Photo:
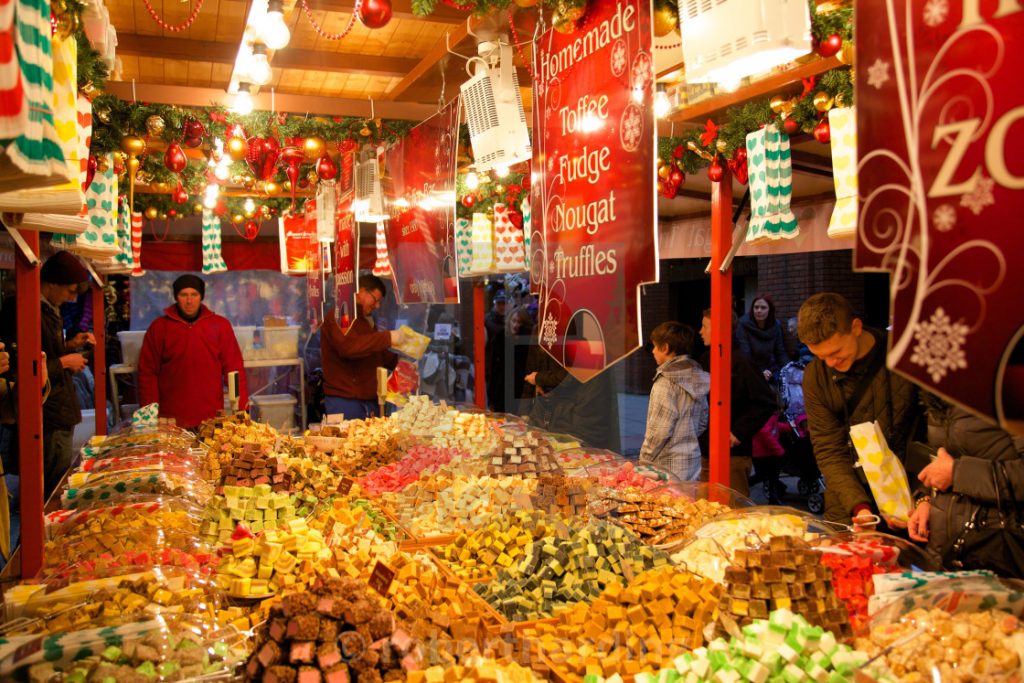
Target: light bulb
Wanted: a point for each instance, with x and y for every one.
(210, 202)
(472, 180)
(501, 170)
(273, 31)
(221, 172)
(662, 105)
(249, 205)
(243, 100)
(259, 66)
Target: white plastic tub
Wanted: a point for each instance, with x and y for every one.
(276, 410)
(277, 343)
(131, 346)
(246, 340)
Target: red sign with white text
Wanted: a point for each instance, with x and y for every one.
(940, 118)
(298, 244)
(594, 225)
(421, 232)
(346, 265)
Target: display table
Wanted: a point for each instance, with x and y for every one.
(126, 369)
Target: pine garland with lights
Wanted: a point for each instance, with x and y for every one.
(509, 190)
(92, 70)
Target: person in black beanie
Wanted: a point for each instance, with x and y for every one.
(186, 357)
(60, 277)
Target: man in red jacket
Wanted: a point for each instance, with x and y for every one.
(350, 357)
(186, 356)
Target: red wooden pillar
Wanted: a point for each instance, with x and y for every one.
(30, 407)
(479, 342)
(99, 357)
(721, 330)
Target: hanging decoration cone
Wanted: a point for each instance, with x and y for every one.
(770, 171)
(464, 246)
(137, 244)
(213, 261)
(508, 241)
(483, 244)
(382, 268)
(843, 122)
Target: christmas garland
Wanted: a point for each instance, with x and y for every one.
(695, 149)
(115, 118)
(92, 70)
(509, 190)
(228, 208)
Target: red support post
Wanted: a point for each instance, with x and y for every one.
(99, 357)
(479, 342)
(721, 330)
(30, 407)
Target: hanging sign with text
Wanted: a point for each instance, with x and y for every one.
(298, 244)
(421, 232)
(940, 119)
(594, 224)
(346, 245)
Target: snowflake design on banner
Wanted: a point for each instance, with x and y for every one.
(878, 74)
(940, 345)
(549, 330)
(619, 57)
(632, 127)
(981, 196)
(944, 218)
(935, 12)
(643, 71)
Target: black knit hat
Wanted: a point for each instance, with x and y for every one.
(63, 268)
(189, 281)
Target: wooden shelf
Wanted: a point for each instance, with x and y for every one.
(774, 83)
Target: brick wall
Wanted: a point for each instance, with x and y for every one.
(789, 279)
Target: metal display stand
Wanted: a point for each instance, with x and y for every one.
(124, 369)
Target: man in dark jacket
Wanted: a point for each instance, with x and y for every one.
(494, 350)
(60, 277)
(847, 384)
(751, 403)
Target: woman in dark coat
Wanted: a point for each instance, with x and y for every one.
(976, 465)
(759, 335)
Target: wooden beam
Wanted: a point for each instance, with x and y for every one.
(315, 105)
(436, 54)
(400, 9)
(224, 53)
(774, 83)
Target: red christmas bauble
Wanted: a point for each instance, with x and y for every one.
(193, 130)
(830, 46)
(174, 158)
(468, 201)
(791, 126)
(375, 13)
(303, 183)
(715, 171)
(252, 229)
(823, 132)
(676, 177)
(326, 169)
(179, 195)
(172, 213)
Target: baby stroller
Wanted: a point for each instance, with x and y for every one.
(796, 439)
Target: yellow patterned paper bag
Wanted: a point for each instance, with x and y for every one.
(412, 344)
(884, 471)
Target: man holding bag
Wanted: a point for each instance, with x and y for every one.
(848, 384)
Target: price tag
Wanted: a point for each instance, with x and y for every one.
(381, 578)
(442, 331)
(345, 485)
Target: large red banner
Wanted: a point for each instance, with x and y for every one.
(346, 238)
(940, 122)
(594, 225)
(421, 233)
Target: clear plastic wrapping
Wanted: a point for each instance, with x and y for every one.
(118, 487)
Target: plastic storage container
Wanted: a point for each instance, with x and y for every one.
(276, 410)
(278, 343)
(131, 346)
(246, 336)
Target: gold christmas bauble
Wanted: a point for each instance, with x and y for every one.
(197, 208)
(238, 219)
(848, 55)
(264, 210)
(822, 101)
(102, 165)
(287, 186)
(566, 19)
(314, 148)
(778, 104)
(151, 213)
(155, 125)
(312, 177)
(270, 187)
(248, 182)
(162, 187)
(663, 172)
(237, 149)
(163, 216)
(249, 214)
(665, 21)
(133, 145)
(365, 131)
(133, 166)
(103, 114)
